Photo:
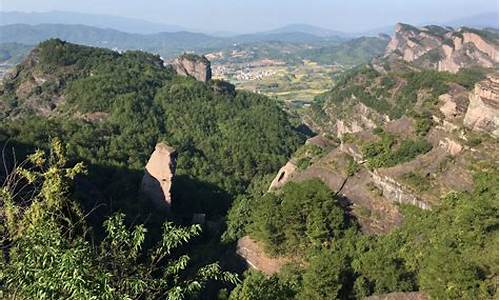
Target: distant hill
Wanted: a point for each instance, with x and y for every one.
(352, 52)
(13, 53)
(167, 44)
(290, 37)
(309, 29)
(97, 20)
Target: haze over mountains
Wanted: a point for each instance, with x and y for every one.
(103, 21)
(133, 25)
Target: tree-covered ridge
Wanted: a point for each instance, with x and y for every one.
(352, 52)
(224, 138)
(90, 79)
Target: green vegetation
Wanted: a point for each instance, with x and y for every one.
(257, 287)
(450, 252)
(71, 234)
(423, 123)
(302, 216)
(352, 166)
(53, 254)
(353, 52)
(226, 142)
(223, 140)
(416, 181)
(306, 155)
(387, 152)
(378, 91)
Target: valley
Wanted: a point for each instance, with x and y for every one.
(295, 84)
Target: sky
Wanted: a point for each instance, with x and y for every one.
(259, 15)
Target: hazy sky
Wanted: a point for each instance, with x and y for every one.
(256, 15)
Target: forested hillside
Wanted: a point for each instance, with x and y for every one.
(109, 110)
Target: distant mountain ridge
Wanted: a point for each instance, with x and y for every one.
(165, 43)
(309, 29)
(126, 24)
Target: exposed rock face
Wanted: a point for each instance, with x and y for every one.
(482, 114)
(443, 48)
(361, 118)
(450, 146)
(192, 65)
(411, 43)
(160, 171)
(254, 255)
(396, 192)
(399, 296)
(28, 81)
(284, 175)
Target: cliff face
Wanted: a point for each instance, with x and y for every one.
(157, 180)
(443, 48)
(482, 113)
(192, 65)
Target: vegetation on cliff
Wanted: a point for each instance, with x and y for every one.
(449, 252)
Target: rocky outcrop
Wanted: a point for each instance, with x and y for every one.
(284, 175)
(451, 146)
(361, 118)
(157, 180)
(482, 113)
(396, 192)
(410, 43)
(319, 141)
(443, 48)
(467, 49)
(192, 65)
(399, 296)
(254, 255)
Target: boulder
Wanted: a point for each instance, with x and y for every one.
(284, 175)
(157, 180)
(193, 65)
